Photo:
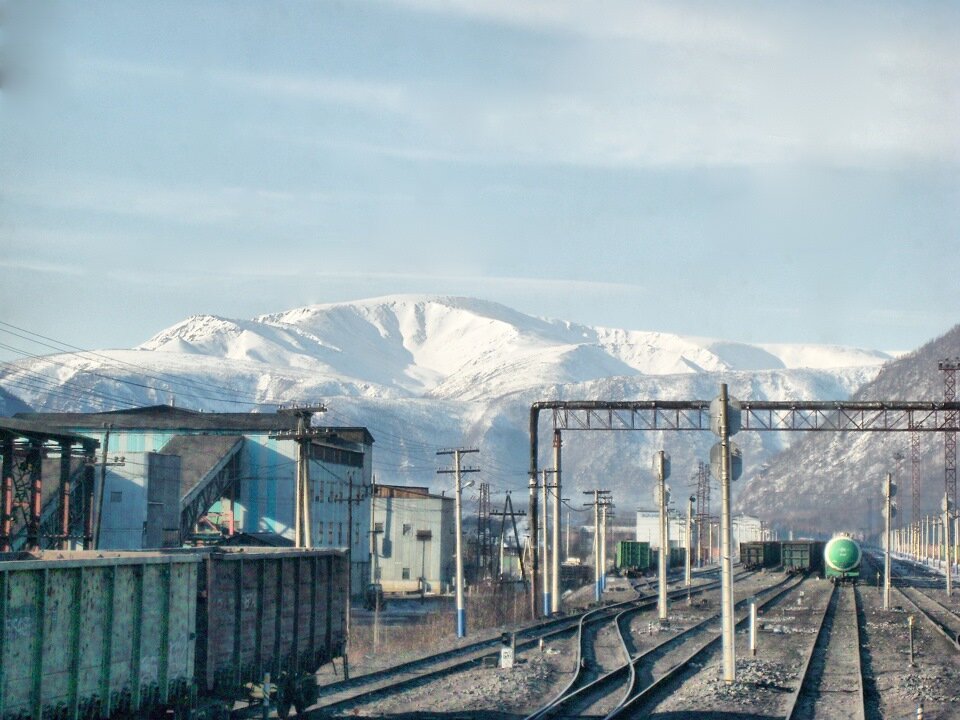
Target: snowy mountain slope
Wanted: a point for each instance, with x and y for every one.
(835, 478)
(429, 372)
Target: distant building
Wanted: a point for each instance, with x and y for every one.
(648, 528)
(172, 474)
(413, 539)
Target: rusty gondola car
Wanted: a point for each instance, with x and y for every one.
(186, 633)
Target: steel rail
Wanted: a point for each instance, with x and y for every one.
(648, 694)
(950, 631)
(466, 657)
(601, 683)
(819, 647)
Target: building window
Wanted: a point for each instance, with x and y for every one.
(320, 496)
(320, 532)
(405, 574)
(339, 533)
(407, 528)
(116, 496)
(330, 535)
(378, 527)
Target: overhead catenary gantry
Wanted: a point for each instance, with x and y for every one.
(755, 415)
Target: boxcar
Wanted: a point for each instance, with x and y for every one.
(760, 554)
(802, 556)
(185, 632)
(633, 557)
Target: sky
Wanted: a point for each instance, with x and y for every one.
(753, 171)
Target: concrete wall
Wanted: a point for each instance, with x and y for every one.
(399, 549)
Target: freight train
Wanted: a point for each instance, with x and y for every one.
(635, 558)
(838, 560)
(182, 633)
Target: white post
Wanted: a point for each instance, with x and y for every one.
(461, 612)
(688, 569)
(546, 547)
(728, 622)
(664, 557)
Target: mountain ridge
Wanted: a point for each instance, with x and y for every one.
(424, 372)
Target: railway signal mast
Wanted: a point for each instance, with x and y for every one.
(661, 466)
(727, 463)
(889, 512)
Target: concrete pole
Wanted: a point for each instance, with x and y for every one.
(709, 543)
(597, 588)
(603, 547)
(555, 568)
(728, 623)
(956, 542)
(946, 544)
(664, 556)
(886, 543)
(546, 547)
(461, 612)
(688, 569)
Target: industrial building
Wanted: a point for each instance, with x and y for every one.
(170, 475)
(413, 539)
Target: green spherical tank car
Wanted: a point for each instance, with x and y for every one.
(841, 559)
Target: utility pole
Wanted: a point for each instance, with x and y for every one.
(547, 585)
(303, 436)
(508, 511)
(598, 497)
(458, 486)
(350, 500)
(555, 569)
(605, 514)
(947, 507)
(688, 569)
(661, 466)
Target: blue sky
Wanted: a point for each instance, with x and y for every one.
(765, 172)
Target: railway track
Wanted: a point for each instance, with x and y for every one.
(945, 620)
(345, 695)
(632, 687)
(832, 680)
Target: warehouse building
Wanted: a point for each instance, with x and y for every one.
(172, 476)
(413, 539)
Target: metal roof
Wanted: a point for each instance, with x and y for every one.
(165, 417)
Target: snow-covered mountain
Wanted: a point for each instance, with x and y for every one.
(835, 478)
(430, 372)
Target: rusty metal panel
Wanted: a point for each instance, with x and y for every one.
(82, 627)
(270, 610)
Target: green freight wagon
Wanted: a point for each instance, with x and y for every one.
(633, 557)
(800, 556)
(86, 634)
(759, 554)
(102, 634)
